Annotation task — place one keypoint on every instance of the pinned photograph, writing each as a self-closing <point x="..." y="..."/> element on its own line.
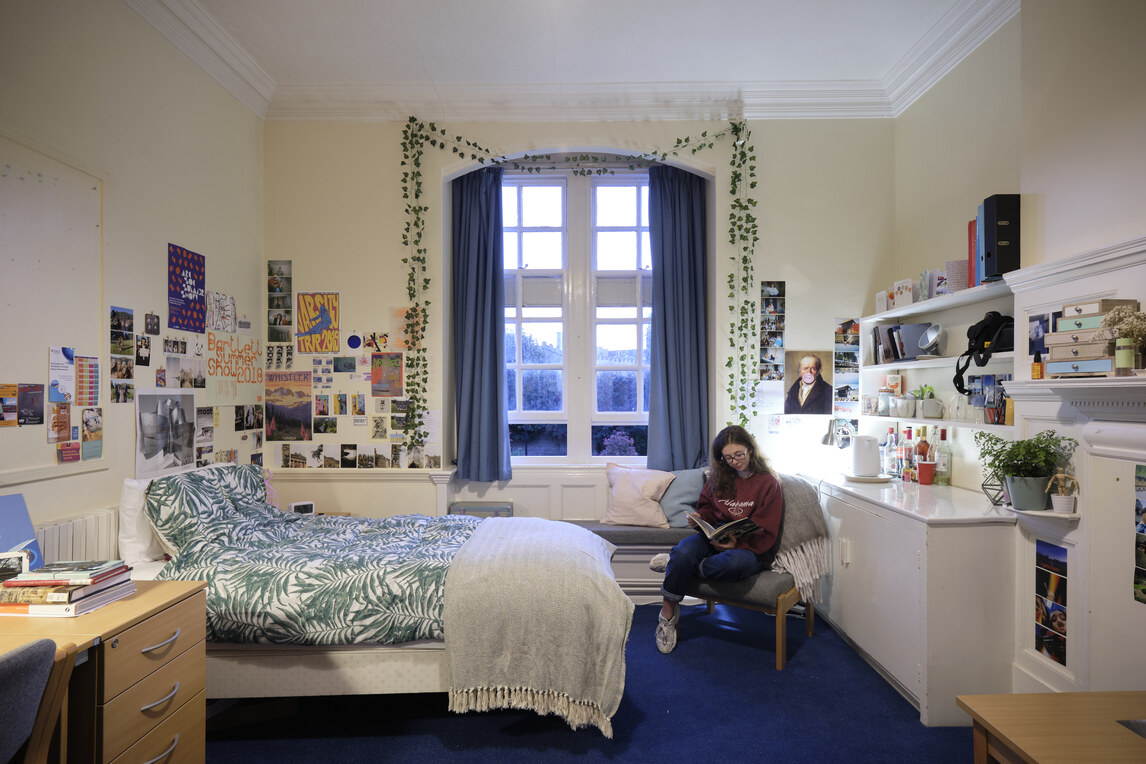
<point x="165" y="427"/>
<point x="808" y="382"/>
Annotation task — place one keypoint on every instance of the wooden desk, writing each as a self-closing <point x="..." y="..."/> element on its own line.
<point x="1049" y="727"/>
<point x="121" y="700"/>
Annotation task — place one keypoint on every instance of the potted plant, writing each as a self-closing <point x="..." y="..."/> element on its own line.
<point x="1026" y="466"/>
<point x="1061" y="488"/>
<point x="928" y="406"/>
<point x="1125" y="325"/>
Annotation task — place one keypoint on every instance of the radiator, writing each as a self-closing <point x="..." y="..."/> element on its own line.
<point x="93" y="536"/>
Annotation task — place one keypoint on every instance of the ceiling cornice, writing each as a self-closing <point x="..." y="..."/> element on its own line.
<point x="200" y="37"/>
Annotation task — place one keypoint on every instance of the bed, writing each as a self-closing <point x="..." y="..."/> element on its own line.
<point x="480" y="608"/>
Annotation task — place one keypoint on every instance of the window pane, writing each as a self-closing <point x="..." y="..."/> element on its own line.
<point x="541" y="312"/>
<point x="541" y="342"/>
<point x="616" y="250"/>
<point x="620" y="440"/>
<point x="541" y="250"/>
<point x="616" y="312"/>
<point x="541" y="390"/>
<point x="509" y="206"/>
<point x="616" y="391"/>
<point x="511" y="389"/>
<point x="645" y="206"/>
<point x="542" y="206"/>
<point x="647" y="377"/>
<point x="509" y="246"/>
<point x="616" y="344"/>
<point x="537" y="440"/>
<point x="510" y="343"/>
<point x="647" y="330"/>
<point x="616" y="205"/>
<point x="646" y="252"/>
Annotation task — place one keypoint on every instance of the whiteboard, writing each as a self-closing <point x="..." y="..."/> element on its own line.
<point x="51" y="252"/>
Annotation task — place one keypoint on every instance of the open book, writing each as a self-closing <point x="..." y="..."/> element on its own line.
<point x="733" y="528"/>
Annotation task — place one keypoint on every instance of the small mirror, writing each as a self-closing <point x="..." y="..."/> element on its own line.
<point x="930" y="340"/>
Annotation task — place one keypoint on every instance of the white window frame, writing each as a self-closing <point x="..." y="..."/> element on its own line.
<point x="579" y="388"/>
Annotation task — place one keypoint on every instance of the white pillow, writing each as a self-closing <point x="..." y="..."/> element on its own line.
<point x="633" y="496"/>
<point x="137" y="539"/>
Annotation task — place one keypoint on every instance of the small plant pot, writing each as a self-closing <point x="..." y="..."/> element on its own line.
<point x="1028" y="493"/>
<point x="1063" y="504"/>
<point x="930" y="408"/>
<point x="903" y="407"/>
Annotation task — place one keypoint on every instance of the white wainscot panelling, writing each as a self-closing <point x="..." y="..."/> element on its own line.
<point x="551" y="492"/>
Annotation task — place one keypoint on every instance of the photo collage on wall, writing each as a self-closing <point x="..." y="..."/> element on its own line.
<point x="845" y="366"/>
<point x="1050" y="600"/>
<point x="771" y="331"/>
<point x="1140" y="533"/>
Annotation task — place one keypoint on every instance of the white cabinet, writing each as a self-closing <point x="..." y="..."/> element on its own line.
<point x="922" y="585"/>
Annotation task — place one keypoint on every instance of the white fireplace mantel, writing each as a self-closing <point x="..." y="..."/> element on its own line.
<point x="1111" y="399"/>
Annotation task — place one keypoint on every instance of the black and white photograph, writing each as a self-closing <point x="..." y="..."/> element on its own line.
<point x="166" y="421"/>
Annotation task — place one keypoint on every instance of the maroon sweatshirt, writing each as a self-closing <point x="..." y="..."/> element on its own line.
<point x="758" y="497"/>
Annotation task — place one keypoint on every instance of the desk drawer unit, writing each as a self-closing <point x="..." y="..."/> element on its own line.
<point x="1081" y="350"/>
<point x="1093" y="367"/>
<point x="1081" y="337"/>
<point x="1071" y="323"/>
<point x="1095" y="306"/>
<point x="177" y="739"/>
<point x="149" y="673"/>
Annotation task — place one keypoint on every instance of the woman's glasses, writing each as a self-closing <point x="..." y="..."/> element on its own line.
<point x="730" y="458"/>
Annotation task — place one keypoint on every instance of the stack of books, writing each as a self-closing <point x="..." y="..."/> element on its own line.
<point x="65" y="589"/>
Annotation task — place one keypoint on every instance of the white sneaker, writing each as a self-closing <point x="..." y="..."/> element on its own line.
<point x="659" y="562"/>
<point x="666" y="631"/>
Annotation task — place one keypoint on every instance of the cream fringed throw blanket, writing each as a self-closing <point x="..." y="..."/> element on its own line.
<point x="534" y="619"/>
<point x="805" y="549"/>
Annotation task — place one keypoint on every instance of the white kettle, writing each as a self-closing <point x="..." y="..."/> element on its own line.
<point x="865" y="456"/>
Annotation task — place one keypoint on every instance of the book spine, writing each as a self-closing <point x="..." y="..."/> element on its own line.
<point x="25" y="608"/>
<point x="30" y="596"/>
<point x="52" y="581"/>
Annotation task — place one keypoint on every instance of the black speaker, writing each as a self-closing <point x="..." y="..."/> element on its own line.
<point x="1000" y="236"/>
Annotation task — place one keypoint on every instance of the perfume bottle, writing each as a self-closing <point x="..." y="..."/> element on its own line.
<point x="1038" y="368"/>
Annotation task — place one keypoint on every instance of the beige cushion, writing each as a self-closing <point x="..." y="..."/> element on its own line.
<point x="633" y="496"/>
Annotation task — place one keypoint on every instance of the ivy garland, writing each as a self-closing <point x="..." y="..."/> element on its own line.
<point x="742" y="233"/>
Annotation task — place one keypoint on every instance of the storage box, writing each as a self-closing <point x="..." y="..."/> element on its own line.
<point x="1092" y="307"/>
<point x="1091" y="367"/>
<point x="1070" y="338"/>
<point x="1077" y="350"/>
<point x="482" y="508"/>
<point x="1070" y="323"/>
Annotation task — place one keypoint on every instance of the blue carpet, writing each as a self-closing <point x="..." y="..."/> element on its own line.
<point x="717" y="695"/>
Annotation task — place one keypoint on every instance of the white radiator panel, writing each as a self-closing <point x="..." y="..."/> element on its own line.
<point x="92" y="536"/>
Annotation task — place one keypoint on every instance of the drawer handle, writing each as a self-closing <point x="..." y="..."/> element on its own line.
<point x="1074" y="338"/>
<point x="1074" y="366"/>
<point x="166" y="753"/>
<point x="161" y="701"/>
<point x="1077" y="309"/>
<point x="1078" y="324"/>
<point x="1074" y="351"/>
<point x="164" y="643"/>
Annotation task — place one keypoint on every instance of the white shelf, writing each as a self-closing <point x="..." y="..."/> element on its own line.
<point x="1043" y="513"/>
<point x="950" y="424"/>
<point x="980" y="293"/>
<point x="937" y="362"/>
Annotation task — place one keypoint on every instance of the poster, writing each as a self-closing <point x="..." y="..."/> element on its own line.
<point x="62" y="373"/>
<point x="808" y="382"/>
<point x="288" y="405"/>
<point x="9" y="410"/>
<point x="30" y="404"/>
<point x="386" y="375"/>
<point x="1140" y="533"/>
<point x="769" y="389"/>
<point x="234" y="368"/>
<point x="316" y="322"/>
<point x="221" y="312"/>
<point x="186" y="294"/>
<point x="91" y="433"/>
<point x="845" y="369"/>
<point x="165" y="429"/>
<point x="1050" y="600"/>
<point x="280" y="313"/>
<point x="87" y="380"/>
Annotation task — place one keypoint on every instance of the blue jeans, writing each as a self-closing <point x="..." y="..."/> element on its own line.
<point x="695" y="558"/>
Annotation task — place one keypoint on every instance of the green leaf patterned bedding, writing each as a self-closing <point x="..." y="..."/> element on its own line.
<point x="281" y="578"/>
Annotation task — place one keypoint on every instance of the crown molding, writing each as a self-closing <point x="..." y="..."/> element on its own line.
<point x="196" y="33"/>
<point x="191" y="29"/>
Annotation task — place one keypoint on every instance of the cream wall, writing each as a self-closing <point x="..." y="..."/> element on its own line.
<point x="955" y="146"/>
<point x="1083" y="131"/>
<point x="182" y="162"/>
<point x="333" y="206"/>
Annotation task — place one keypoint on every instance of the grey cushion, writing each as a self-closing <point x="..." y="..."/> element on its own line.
<point x="622" y="535"/>
<point x="681" y="496"/>
<point x="762" y="589"/>
<point x="23" y="677"/>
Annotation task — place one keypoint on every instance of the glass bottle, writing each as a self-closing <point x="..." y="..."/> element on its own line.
<point x="922" y="447"/>
<point x="890" y="459"/>
<point x="907" y="462"/>
<point x="942" y="460"/>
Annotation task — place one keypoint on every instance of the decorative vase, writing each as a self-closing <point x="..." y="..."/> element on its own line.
<point x="930" y="408"/>
<point x="1063" y="504"/>
<point x="1028" y="493"/>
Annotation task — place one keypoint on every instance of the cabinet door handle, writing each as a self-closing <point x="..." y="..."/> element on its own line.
<point x="162" y="700"/>
<point x="164" y="755"/>
<point x="164" y="643"/>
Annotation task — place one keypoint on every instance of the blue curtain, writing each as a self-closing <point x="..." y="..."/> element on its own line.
<point x="479" y="327"/>
<point x="678" y="388"/>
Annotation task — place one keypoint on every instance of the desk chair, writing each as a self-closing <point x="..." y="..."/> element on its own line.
<point x="802" y="557"/>
<point x="33" y="684"/>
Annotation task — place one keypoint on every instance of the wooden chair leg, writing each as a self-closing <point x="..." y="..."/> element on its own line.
<point x="781" y="640"/>
<point x="809" y="618"/>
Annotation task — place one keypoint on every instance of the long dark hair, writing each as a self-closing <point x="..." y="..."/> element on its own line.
<point x="724" y="476"/>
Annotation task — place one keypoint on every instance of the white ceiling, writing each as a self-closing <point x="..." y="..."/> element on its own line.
<point x="576" y="59"/>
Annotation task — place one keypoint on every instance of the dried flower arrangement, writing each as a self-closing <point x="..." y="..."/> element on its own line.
<point x="1123" y="321"/>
